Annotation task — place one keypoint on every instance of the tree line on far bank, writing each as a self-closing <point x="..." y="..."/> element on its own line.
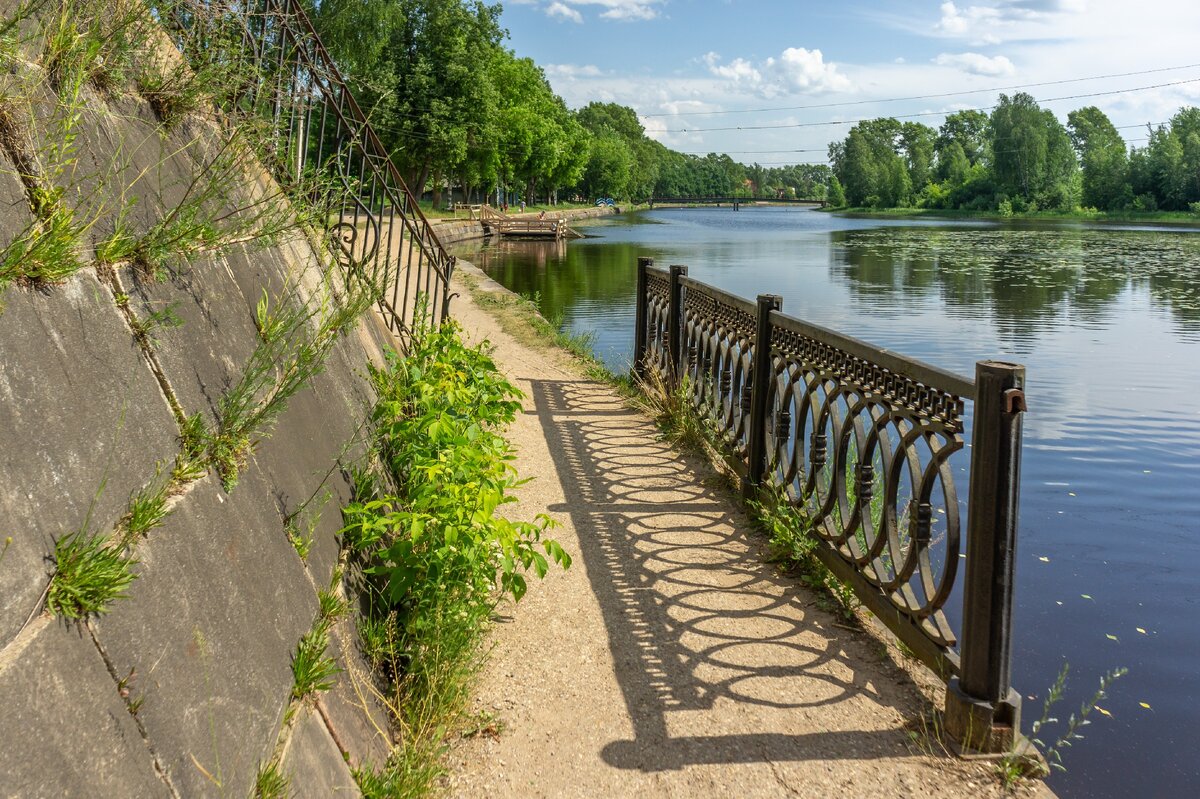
<point x="1018" y="159"/>
<point x="455" y="107"/>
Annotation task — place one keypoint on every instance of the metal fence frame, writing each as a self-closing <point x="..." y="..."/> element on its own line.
<point x="839" y="426"/>
<point x="289" y="80"/>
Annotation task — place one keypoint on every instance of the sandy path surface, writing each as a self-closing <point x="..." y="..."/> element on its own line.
<point x="670" y="660"/>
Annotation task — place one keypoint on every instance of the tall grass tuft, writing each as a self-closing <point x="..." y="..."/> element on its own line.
<point x="89" y="575"/>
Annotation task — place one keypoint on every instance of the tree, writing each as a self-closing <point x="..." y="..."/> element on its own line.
<point x="837" y="197"/>
<point x="419" y="65"/>
<point x="608" y="166"/>
<point x="1032" y="157"/>
<point x="967" y="129"/>
<point x="1103" y="158"/>
<point x="917" y="143"/>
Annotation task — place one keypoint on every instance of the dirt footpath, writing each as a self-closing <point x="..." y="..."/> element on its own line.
<point x="670" y="660"/>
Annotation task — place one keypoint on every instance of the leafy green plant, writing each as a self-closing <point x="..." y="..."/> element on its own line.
<point x="89" y="575"/>
<point x="437" y="554"/>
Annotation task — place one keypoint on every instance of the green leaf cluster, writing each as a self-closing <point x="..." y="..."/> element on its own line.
<point x="425" y="530"/>
<point x="436" y="537"/>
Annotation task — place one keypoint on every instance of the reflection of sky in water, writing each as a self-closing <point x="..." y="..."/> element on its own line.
<point x="1107" y="322"/>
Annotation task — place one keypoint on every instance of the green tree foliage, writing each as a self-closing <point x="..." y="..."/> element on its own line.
<point x="1032" y="159"/>
<point x="423" y="74"/>
<point x="1103" y="157"/>
<point x="836" y="196"/>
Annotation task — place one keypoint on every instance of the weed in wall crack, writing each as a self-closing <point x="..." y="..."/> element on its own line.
<point x="147" y="509"/>
<point x="90" y="573"/>
<point x="271" y="782"/>
<point x="313" y="669"/>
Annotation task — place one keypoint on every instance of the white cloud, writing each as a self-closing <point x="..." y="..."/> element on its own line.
<point x="572" y="71"/>
<point x="557" y="10"/>
<point x="999" y="20"/>
<point x="619" y="10"/>
<point x="796" y="71"/>
<point x="977" y="64"/>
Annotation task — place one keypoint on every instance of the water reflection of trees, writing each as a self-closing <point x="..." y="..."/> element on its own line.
<point x="565" y="273"/>
<point x="1023" y="278"/>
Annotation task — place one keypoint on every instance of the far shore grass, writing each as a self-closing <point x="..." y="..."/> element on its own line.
<point x="1173" y="218"/>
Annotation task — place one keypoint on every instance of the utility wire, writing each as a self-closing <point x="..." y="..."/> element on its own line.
<point x="925" y="96"/>
<point x="929" y="113"/>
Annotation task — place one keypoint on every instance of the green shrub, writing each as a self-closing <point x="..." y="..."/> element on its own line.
<point x="436" y="553"/>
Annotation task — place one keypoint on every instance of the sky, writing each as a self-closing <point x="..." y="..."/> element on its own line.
<point x="779" y="72"/>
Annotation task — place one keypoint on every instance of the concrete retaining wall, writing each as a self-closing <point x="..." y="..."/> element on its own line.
<point x="181" y="688"/>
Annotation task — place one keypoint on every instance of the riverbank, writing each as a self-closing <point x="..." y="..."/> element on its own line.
<point x="673" y="659"/>
<point x="1164" y="218"/>
<point x="452" y="231"/>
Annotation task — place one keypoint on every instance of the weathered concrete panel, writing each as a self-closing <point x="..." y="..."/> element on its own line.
<point x="355" y="705"/>
<point x="15" y="215"/>
<point x="82" y="424"/>
<point x="211" y="626"/>
<point x="313" y="764"/>
<point x="66" y="731"/>
<point x="317" y="437"/>
<point x="127" y="165"/>
<point x="206" y="354"/>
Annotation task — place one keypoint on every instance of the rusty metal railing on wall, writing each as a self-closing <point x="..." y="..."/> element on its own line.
<point x="863" y="442"/>
<point x="322" y="138"/>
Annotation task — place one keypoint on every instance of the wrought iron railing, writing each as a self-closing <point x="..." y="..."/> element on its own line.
<point x="863" y="442"/>
<point x="320" y="135"/>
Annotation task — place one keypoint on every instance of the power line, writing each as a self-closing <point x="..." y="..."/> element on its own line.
<point x="925" y="96"/>
<point x="928" y="113"/>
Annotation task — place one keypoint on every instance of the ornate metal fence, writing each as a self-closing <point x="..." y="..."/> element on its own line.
<point x="322" y="145"/>
<point x="863" y="441"/>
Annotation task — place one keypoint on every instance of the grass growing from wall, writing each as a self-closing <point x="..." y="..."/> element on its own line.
<point x="437" y="556"/>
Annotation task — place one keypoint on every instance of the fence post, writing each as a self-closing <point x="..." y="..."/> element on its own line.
<point x="983" y="712"/>
<point x="641" y="312"/>
<point x="761" y="375"/>
<point x="674" y="340"/>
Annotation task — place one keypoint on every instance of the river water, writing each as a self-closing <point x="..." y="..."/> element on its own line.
<point x="1107" y="322"/>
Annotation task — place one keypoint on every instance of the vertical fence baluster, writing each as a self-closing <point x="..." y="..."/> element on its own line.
<point x="983" y="712"/>
<point x="761" y="376"/>
<point x="675" y="322"/>
<point x="641" y="317"/>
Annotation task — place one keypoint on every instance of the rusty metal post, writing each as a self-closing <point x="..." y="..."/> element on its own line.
<point x="761" y="375"/>
<point x="641" y="319"/>
<point x="674" y="340"/>
<point x="983" y="712"/>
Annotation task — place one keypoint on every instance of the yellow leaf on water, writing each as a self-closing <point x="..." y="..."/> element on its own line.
<point x="1070" y="493"/>
<point x="1145" y="705"/>
<point x="1043" y="559"/>
<point x="1111" y="637"/>
<point x="1086" y="596"/>
<point x="1140" y="630"/>
<point x="1102" y="710"/>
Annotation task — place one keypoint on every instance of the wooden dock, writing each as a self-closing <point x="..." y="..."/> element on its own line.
<point x="506" y="226"/>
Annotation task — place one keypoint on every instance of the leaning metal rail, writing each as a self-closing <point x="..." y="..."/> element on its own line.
<point x="325" y="151"/>
<point x="863" y="442"/>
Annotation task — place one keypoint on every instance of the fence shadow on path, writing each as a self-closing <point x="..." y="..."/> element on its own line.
<point x="719" y="659"/>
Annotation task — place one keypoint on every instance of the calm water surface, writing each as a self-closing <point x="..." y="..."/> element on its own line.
<point x="1107" y="322"/>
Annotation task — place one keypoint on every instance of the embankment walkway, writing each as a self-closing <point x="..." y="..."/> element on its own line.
<point x="670" y="660"/>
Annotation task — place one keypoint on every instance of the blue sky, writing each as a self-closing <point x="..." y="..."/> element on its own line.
<point x="678" y="61"/>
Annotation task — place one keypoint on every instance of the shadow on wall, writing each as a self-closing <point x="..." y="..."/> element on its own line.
<point x="706" y="640"/>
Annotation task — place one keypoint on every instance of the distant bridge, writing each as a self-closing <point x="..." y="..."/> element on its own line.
<point x="736" y="202"/>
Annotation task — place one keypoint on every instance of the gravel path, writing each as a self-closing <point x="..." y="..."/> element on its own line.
<point x="670" y="660"/>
